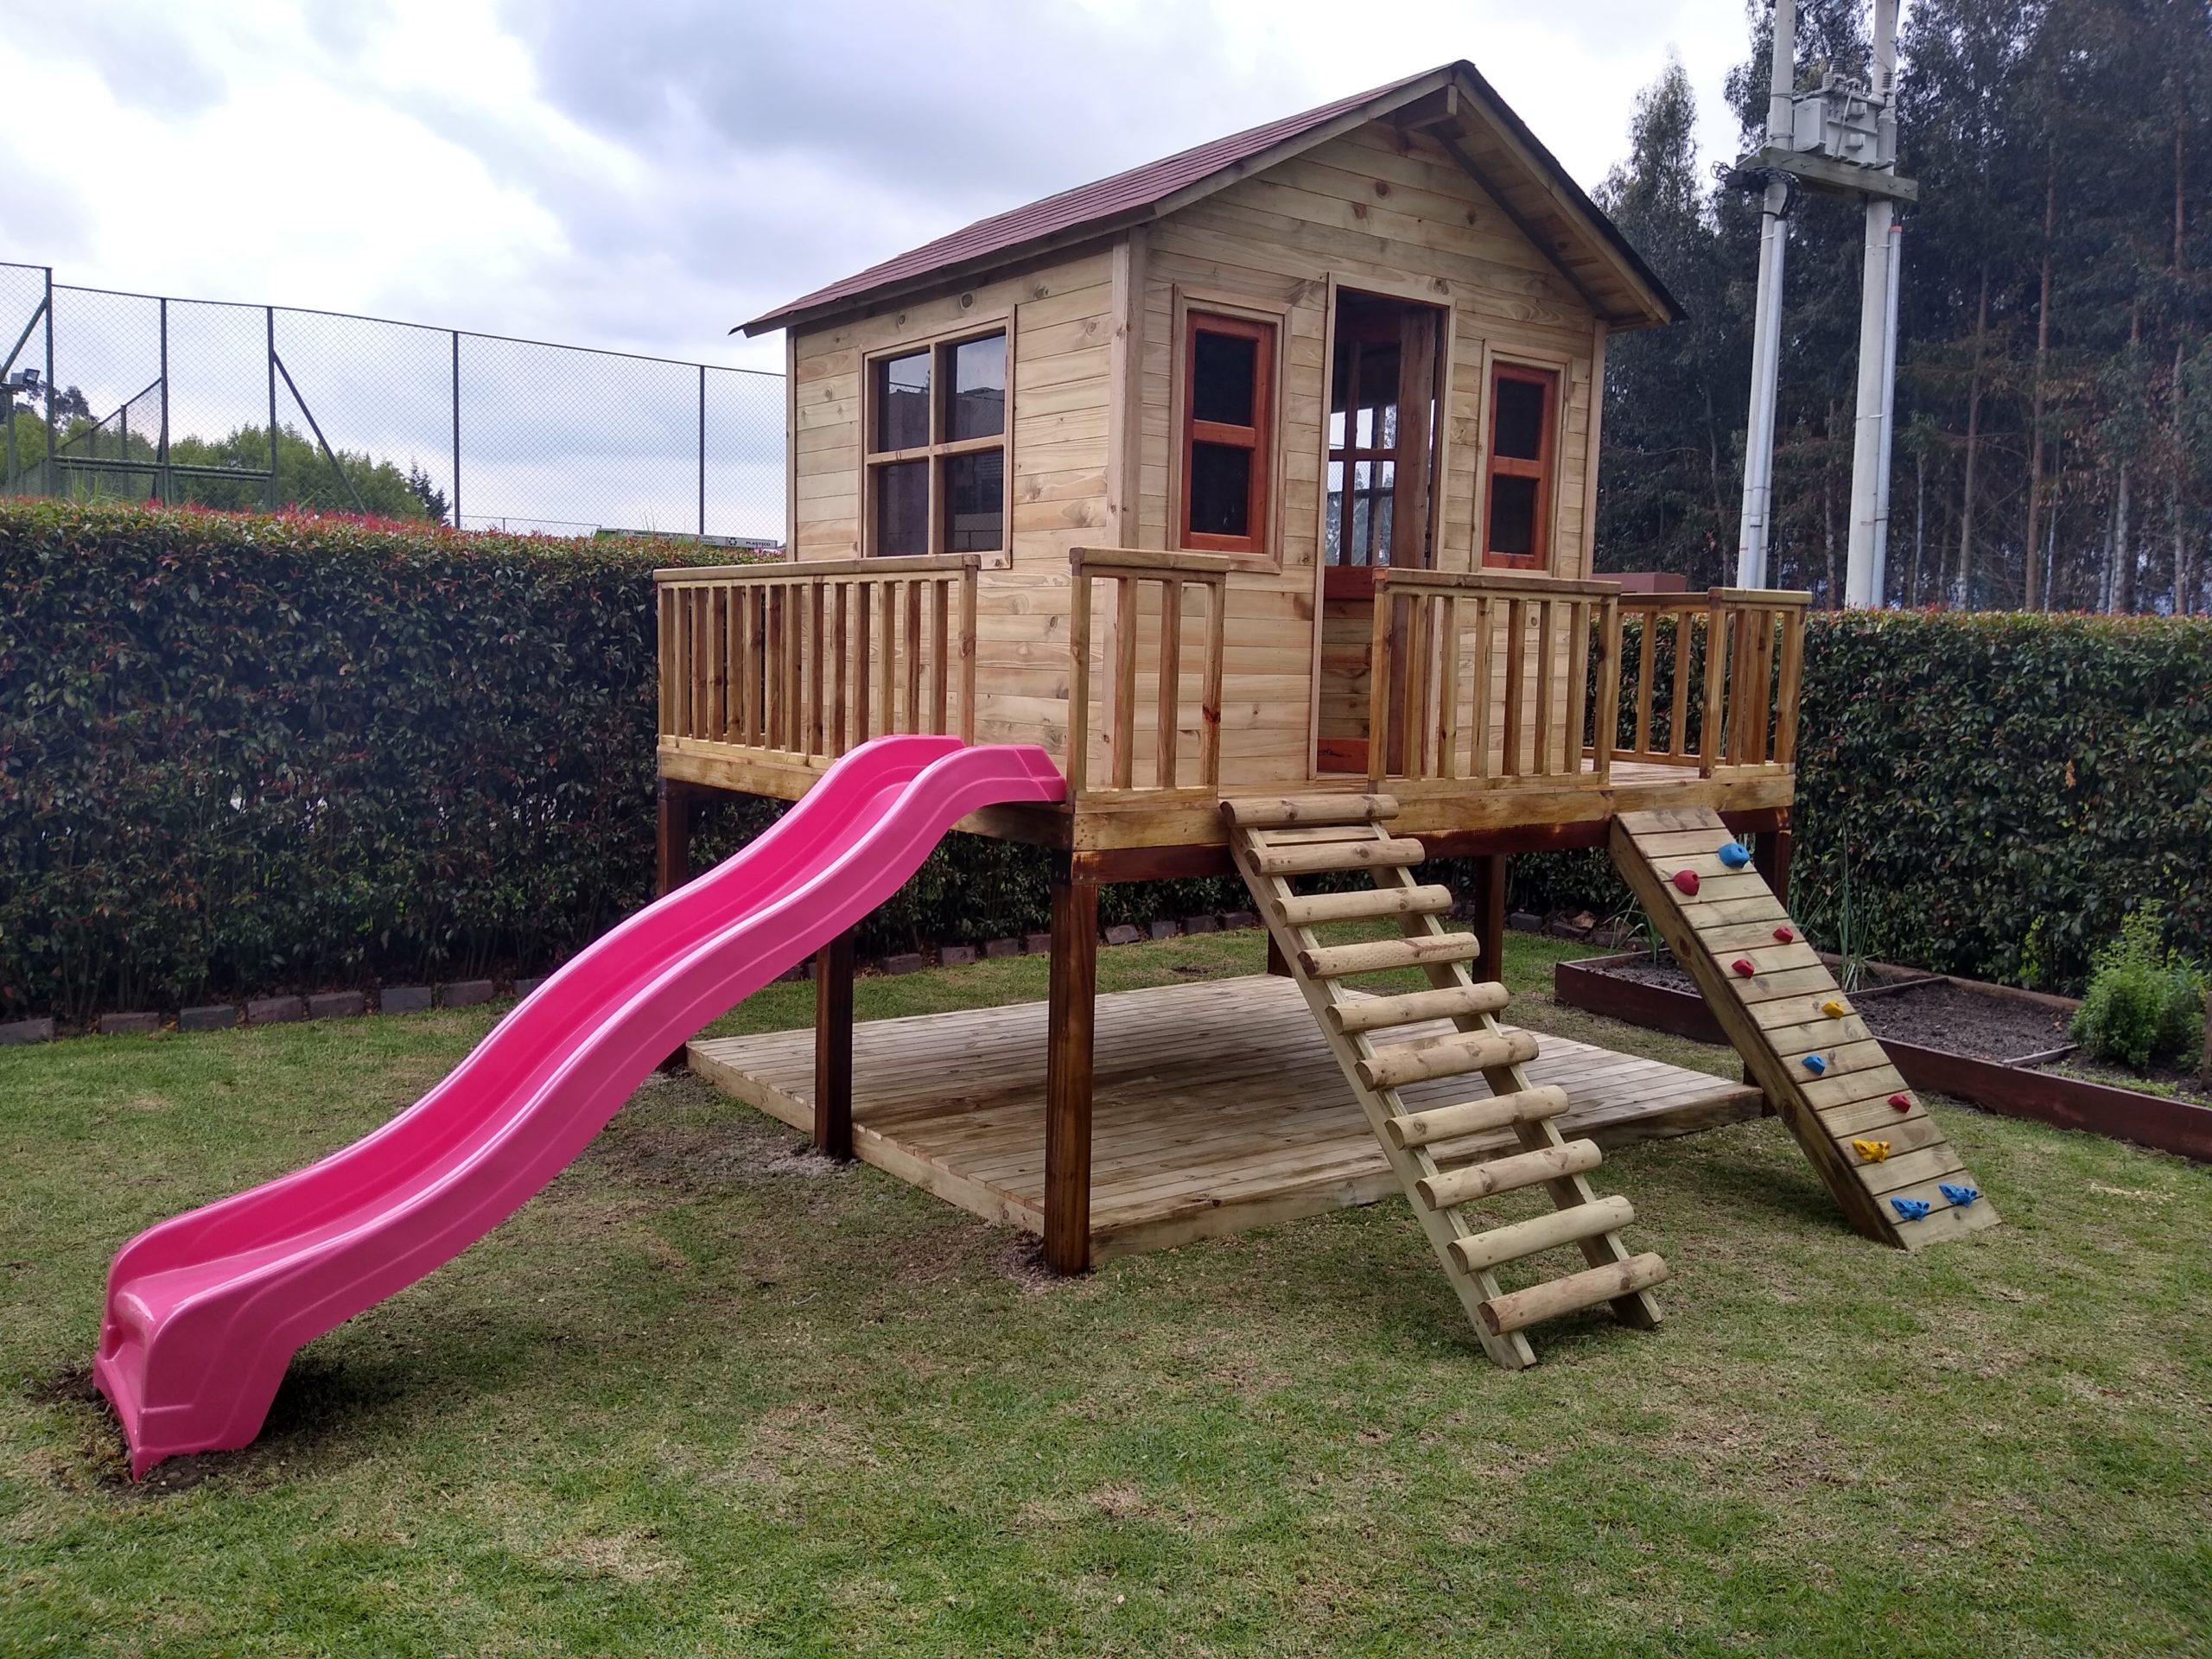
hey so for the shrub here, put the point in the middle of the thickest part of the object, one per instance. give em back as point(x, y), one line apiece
point(2144, 1002)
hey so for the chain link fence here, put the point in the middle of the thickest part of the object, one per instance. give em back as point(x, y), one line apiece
point(136, 397)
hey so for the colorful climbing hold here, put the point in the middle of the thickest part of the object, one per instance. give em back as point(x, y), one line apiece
point(1833, 1008)
point(1816, 1065)
point(1686, 881)
point(1900, 1102)
point(1786, 935)
point(1870, 1152)
point(1910, 1208)
point(1745, 966)
point(1961, 1195)
point(1735, 854)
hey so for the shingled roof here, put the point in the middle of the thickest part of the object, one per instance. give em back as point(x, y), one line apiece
point(1482, 133)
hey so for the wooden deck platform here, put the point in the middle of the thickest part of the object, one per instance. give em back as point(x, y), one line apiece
point(1218, 1107)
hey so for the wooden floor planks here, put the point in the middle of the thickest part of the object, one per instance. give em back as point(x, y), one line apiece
point(1219, 1106)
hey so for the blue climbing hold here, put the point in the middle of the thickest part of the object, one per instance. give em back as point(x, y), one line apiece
point(1816, 1065)
point(1961, 1195)
point(1735, 854)
point(1910, 1208)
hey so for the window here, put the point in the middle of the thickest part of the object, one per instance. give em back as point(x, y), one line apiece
point(1228, 411)
point(937, 473)
point(1519, 484)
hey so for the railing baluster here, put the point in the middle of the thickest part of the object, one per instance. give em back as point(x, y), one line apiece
point(1168, 715)
point(1605, 723)
point(916, 649)
point(1209, 683)
point(1516, 647)
point(1447, 686)
point(1678, 727)
point(1647, 643)
point(1124, 735)
point(888, 600)
point(1078, 737)
point(941, 659)
point(1546, 686)
point(968, 715)
point(1711, 736)
point(1578, 686)
point(1482, 667)
point(1793, 664)
point(1378, 687)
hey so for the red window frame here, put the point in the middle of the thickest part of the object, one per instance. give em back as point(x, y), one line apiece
point(1256, 437)
point(1495, 465)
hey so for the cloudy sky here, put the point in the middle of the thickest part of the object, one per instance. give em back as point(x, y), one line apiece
point(646, 174)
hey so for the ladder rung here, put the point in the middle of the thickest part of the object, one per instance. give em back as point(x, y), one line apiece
point(1383, 852)
point(1312, 835)
point(1473, 1116)
point(1259, 811)
point(1453, 1001)
point(1451, 1186)
point(1553, 1297)
point(1377, 956)
point(1568, 1226)
point(1365, 905)
point(1445, 1057)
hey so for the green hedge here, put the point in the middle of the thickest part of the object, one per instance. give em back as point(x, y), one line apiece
point(241, 754)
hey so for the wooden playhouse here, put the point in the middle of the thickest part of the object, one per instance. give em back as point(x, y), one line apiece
point(1255, 485)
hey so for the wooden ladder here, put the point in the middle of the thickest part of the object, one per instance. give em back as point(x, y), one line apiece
point(1886, 1160)
point(1275, 842)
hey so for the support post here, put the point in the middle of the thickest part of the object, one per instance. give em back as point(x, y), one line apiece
point(703, 453)
point(456, 428)
point(1771, 858)
point(1072, 1015)
point(1490, 916)
point(674, 848)
point(1278, 965)
point(269, 320)
point(165, 482)
point(1766, 322)
point(1870, 498)
point(833, 1048)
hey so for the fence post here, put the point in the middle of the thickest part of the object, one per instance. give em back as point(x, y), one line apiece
point(53, 472)
point(456, 428)
point(168, 484)
point(268, 318)
point(703, 452)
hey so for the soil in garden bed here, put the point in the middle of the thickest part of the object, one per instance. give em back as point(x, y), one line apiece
point(1943, 1016)
point(2188, 1086)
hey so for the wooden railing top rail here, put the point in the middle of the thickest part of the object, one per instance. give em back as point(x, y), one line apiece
point(932, 564)
point(1105, 561)
point(1512, 585)
point(1773, 598)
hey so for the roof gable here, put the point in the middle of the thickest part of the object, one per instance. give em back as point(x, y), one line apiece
point(1454, 104)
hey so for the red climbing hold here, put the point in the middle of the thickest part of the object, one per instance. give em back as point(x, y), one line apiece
point(1787, 935)
point(1742, 965)
point(1686, 881)
point(1901, 1102)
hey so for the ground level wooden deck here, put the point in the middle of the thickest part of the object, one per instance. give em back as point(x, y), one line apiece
point(1216, 1107)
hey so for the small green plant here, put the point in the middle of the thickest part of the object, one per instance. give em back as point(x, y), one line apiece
point(2144, 1001)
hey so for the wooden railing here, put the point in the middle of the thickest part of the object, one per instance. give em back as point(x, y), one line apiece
point(812, 658)
point(1710, 679)
point(1143, 631)
point(1491, 679)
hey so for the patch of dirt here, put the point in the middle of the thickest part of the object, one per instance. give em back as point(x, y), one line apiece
point(1022, 1260)
point(1946, 1017)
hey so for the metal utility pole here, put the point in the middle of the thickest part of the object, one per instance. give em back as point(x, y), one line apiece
point(1766, 324)
point(1863, 582)
point(1839, 137)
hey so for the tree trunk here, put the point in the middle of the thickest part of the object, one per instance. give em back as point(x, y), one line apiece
point(1963, 593)
point(1834, 599)
point(1919, 519)
point(2033, 597)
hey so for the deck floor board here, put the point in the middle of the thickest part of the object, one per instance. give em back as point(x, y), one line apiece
point(1218, 1107)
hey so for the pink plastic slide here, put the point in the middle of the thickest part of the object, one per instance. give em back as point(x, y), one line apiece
point(205, 1311)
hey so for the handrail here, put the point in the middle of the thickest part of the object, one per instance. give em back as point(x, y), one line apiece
point(1725, 642)
point(1131, 571)
point(812, 660)
point(1435, 630)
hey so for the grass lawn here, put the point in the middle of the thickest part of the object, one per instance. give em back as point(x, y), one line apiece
point(708, 1395)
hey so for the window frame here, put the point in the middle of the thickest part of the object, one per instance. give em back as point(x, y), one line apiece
point(938, 449)
point(1551, 377)
point(1264, 326)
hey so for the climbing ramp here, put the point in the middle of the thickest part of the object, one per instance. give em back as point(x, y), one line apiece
point(1277, 842)
point(1874, 1144)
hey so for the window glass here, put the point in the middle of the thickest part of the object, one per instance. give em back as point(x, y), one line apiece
point(1221, 372)
point(974, 501)
point(902, 402)
point(1221, 489)
point(1518, 432)
point(977, 409)
point(902, 508)
point(1512, 515)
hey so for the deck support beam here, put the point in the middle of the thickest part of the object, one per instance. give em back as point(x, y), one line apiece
point(1771, 857)
point(673, 862)
point(833, 1048)
point(1488, 918)
point(1071, 1019)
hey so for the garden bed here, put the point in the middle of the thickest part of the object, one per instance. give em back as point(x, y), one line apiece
point(2005, 1051)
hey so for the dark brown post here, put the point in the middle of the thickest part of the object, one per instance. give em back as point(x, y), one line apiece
point(833, 1047)
point(675, 859)
point(1276, 963)
point(1490, 916)
point(1072, 1010)
point(1771, 857)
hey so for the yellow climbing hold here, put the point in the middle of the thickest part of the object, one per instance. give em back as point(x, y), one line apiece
point(1833, 1008)
point(1871, 1152)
